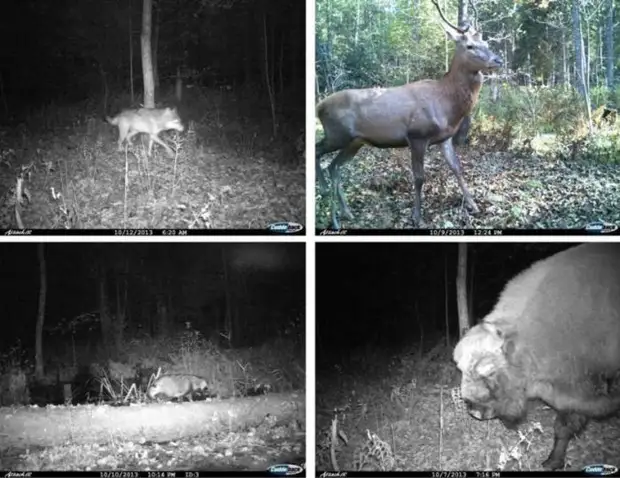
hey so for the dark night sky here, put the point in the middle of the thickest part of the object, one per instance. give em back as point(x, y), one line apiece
point(192, 274)
point(370, 294)
point(62, 50)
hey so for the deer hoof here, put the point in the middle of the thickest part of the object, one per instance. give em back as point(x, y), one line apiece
point(473, 209)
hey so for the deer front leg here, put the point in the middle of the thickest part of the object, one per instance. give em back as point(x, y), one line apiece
point(418, 148)
point(455, 165)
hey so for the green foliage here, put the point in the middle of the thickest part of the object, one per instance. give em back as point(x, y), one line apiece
point(531, 111)
point(523, 115)
point(526, 115)
point(379, 43)
point(600, 96)
point(615, 97)
point(491, 132)
point(602, 147)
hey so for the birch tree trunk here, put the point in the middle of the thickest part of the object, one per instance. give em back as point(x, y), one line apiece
point(609, 44)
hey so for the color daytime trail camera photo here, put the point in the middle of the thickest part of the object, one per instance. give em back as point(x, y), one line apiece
point(468, 357)
point(153, 114)
point(148, 357)
point(467, 114)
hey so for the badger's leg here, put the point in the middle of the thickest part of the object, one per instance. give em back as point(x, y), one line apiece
point(566, 426)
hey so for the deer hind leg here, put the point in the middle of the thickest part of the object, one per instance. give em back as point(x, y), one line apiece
point(447, 149)
point(418, 148)
point(321, 149)
point(337, 193)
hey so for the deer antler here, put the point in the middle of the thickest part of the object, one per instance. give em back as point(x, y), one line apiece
point(446, 21)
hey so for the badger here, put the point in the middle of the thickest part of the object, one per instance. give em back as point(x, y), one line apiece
point(177, 386)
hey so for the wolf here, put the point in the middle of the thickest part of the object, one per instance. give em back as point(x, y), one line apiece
point(177, 386)
point(151, 121)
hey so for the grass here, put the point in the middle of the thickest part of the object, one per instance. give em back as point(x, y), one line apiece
point(229, 171)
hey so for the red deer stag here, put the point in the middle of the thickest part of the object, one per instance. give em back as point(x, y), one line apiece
point(415, 115)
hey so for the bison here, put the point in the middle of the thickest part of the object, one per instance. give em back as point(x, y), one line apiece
point(554, 335)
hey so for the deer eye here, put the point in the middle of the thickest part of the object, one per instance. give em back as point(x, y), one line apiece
point(470, 47)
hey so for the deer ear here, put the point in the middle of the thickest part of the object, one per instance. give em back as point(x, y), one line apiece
point(477, 36)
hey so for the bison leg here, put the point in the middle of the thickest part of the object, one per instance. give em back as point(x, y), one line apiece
point(566, 426)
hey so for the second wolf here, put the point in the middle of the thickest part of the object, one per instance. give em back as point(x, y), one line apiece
point(177, 386)
point(151, 121)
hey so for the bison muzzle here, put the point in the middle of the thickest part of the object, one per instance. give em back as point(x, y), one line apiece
point(554, 335)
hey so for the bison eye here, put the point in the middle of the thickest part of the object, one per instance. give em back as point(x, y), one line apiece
point(468, 403)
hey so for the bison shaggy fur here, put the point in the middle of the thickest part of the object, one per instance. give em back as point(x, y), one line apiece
point(554, 335)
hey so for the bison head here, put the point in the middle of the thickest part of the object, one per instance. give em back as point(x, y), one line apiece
point(492, 386)
point(554, 335)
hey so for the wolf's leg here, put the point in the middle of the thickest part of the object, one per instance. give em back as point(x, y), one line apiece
point(131, 135)
point(122, 135)
point(159, 141)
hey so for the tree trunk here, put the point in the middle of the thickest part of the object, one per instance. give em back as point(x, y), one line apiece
point(120, 319)
point(269, 78)
point(40, 313)
point(446, 295)
point(147, 63)
point(587, 54)
point(229, 298)
point(358, 12)
point(565, 71)
point(131, 54)
point(580, 70)
point(155, 48)
point(416, 23)
point(609, 44)
point(580, 83)
point(470, 294)
point(462, 12)
point(461, 288)
point(104, 310)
